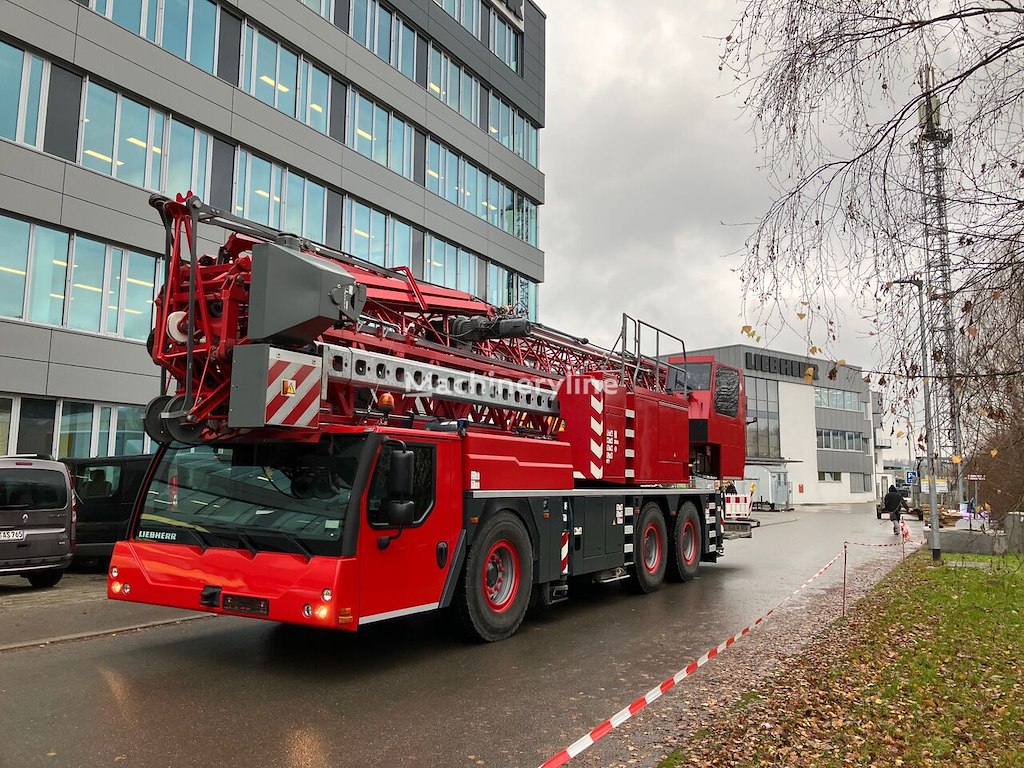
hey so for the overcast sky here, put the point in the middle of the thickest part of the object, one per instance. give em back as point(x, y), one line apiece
point(653, 181)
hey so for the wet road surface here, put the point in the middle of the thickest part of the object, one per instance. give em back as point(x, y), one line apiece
point(222, 691)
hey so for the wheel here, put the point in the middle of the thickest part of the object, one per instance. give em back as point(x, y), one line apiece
point(878, 513)
point(153, 422)
point(188, 433)
point(649, 549)
point(494, 591)
point(687, 544)
point(44, 579)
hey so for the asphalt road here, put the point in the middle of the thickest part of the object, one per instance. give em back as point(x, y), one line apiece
point(219, 691)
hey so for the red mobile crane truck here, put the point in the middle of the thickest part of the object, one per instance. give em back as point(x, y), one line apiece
point(341, 445)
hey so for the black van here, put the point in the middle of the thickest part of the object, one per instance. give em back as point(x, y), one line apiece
point(37, 519)
point(107, 488)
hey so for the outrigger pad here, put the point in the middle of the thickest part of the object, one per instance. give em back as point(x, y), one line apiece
point(294, 296)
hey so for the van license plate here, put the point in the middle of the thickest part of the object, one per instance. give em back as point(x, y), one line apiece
point(12, 535)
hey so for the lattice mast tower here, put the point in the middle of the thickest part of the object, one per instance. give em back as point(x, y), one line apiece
point(930, 146)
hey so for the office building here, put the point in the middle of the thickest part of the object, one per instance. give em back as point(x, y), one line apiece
point(404, 132)
point(811, 434)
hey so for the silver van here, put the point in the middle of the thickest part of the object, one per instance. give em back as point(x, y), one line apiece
point(37, 519)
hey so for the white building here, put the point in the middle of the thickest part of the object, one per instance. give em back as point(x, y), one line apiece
point(810, 434)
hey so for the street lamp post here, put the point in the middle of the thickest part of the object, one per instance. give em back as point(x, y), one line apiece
point(932, 502)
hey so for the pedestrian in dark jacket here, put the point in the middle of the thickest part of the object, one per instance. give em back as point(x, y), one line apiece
point(893, 503)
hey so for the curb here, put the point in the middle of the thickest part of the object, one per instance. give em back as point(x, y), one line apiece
point(102, 633)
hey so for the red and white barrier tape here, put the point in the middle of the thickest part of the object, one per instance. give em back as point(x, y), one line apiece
point(587, 741)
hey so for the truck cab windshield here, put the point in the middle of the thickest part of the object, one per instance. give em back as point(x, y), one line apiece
point(282, 497)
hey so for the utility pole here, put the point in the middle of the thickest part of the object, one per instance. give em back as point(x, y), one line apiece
point(928, 425)
point(930, 146)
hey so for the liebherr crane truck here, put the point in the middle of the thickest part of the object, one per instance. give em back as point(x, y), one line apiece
point(342, 444)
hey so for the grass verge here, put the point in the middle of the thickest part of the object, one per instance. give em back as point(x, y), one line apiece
point(926, 670)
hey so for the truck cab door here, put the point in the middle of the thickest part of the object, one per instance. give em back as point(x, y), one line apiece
point(404, 573)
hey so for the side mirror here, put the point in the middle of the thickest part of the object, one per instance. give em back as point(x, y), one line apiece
point(401, 468)
point(400, 513)
point(400, 510)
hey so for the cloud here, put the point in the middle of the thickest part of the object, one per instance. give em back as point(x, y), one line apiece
point(652, 179)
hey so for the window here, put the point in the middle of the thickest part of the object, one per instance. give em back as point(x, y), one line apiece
point(466, 12)
point(383, 137)
point(324, 7)
point(36, 422)
point(6, 407)
point(457, 88)
point(375, 236)
point(75, 438)
point(142, 134)
point(271, 195)
point(511, 129)
point(459, 181)
point(187, 28)
point(763, 423)
point(380, 30)
point(15, 235)
point(22, 81)
point(506, 42)
point(423, 485)
point(839, 400)
point(316, 90)
point(841, 440)
point(830, 477)
point(38, 257)
point(130, 436)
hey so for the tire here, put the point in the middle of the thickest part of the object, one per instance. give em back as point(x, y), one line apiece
point(44, 579)
point(687, 544)
point(650, 550)
point(495, 587)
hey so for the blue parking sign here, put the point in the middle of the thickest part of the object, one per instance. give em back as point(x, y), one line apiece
point(912, 477)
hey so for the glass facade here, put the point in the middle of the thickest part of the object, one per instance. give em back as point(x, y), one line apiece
point(270, 194)
point(324, 7)
point(67, 428)
point(447, 81)
point(506, 42)
point(461, 182)
point(507, 126)
point(52, 278)
point(379, 29)
point(466, 12)
point(841, 440)
point(141, 145)
point(280, 78)
point(763, 436)
point(839, 399)
point(22, 78)
point(380, 135)
point(187, 28)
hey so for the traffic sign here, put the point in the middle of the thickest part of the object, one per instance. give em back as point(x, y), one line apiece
point(975, 478)
point(911, 477)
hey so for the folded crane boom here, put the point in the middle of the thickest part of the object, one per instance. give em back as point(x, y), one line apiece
point(273, 332)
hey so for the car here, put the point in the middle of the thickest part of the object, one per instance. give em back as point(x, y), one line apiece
point(38, 512)
point(107, 488)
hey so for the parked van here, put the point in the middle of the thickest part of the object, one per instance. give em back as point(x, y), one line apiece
point(37, 519)
point(107, 488)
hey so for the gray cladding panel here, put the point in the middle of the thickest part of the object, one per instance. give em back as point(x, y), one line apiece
point(115, 356)
point(140, 67)
point(110, 209)
point(47, 25)
point(105, 386)
point(833, 418)
point(23, 342)
point(844, 461)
